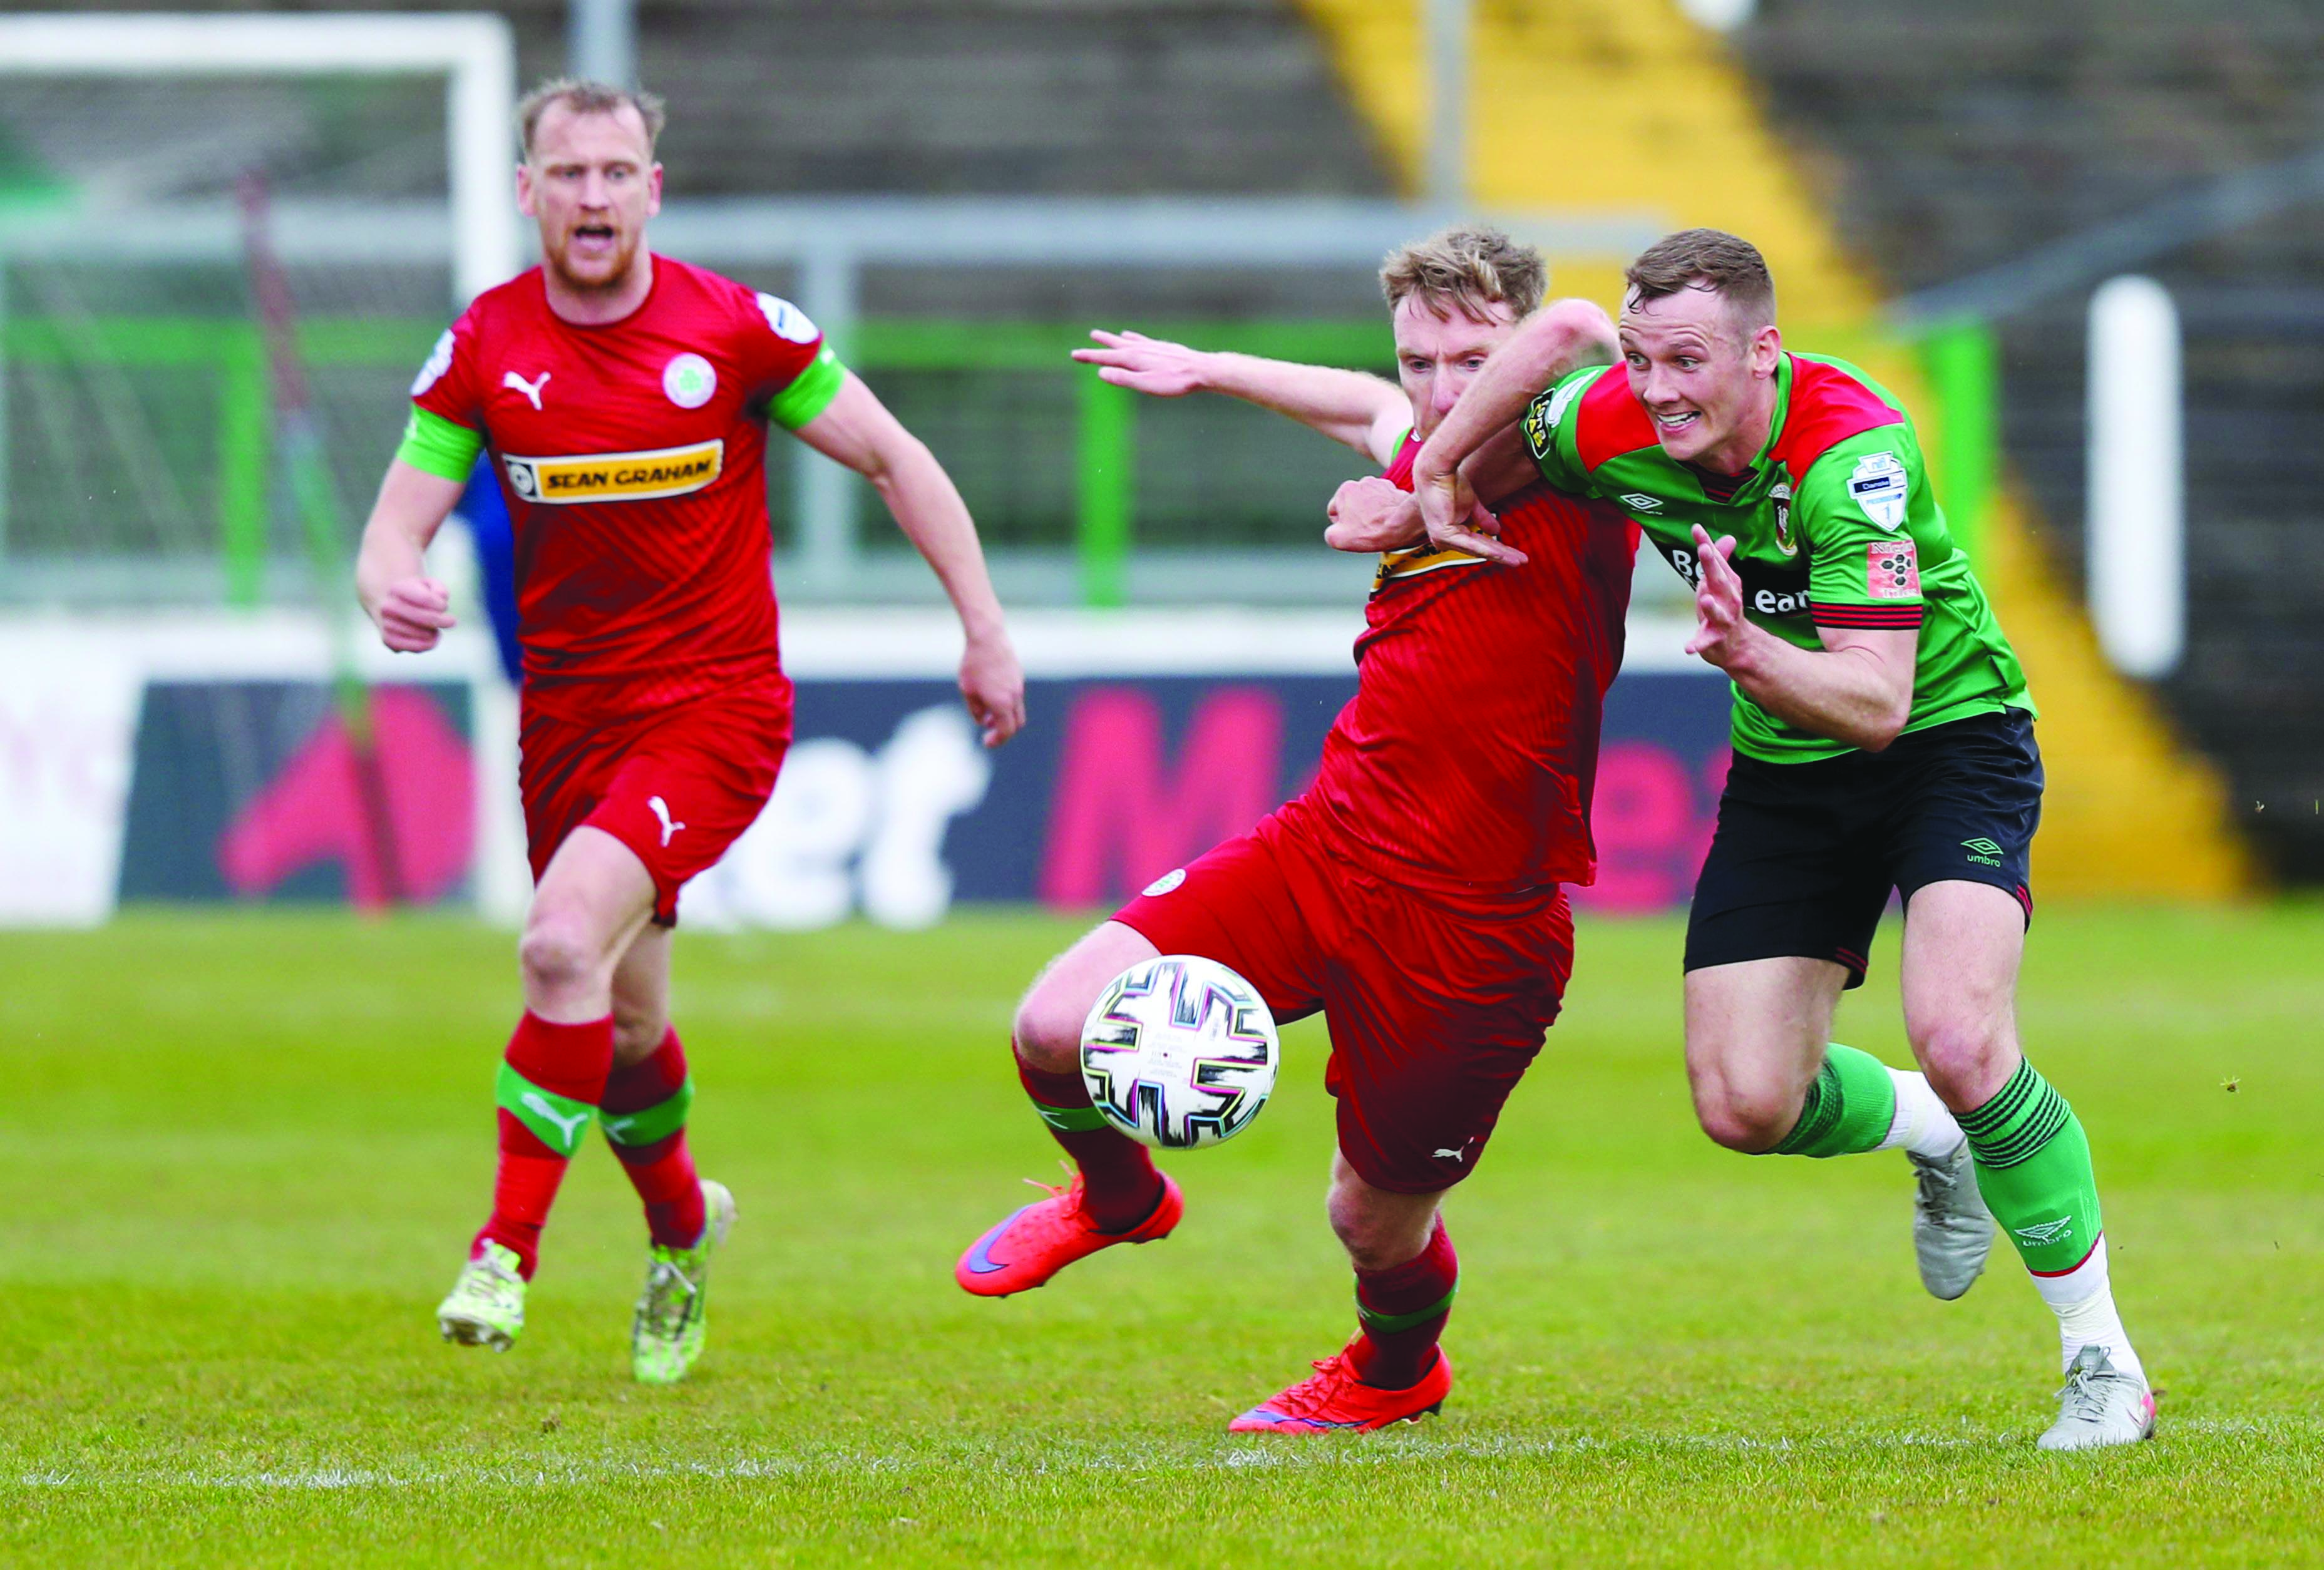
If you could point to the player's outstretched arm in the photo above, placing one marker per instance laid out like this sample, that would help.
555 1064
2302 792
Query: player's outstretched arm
1548 345
1857 689
855 429
1352 408
410 608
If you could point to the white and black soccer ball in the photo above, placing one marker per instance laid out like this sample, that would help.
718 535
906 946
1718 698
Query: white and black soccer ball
1179 1052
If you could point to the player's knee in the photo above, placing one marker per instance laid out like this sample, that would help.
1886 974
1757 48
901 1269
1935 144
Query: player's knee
1377 1235
557 954
1741 1118
1048 1026
1963 1059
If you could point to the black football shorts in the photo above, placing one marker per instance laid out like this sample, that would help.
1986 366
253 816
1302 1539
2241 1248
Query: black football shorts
1805 854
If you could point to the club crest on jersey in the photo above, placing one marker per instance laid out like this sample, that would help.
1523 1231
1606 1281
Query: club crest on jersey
688 380
616 477
1780 494
1879 486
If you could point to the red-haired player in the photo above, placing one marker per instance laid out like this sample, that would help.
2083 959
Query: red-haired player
625 396
1413 894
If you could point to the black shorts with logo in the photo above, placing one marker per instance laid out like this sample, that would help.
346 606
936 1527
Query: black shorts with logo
1806 854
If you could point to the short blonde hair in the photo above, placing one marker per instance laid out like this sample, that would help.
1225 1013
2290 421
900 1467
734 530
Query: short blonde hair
586 97
1467 266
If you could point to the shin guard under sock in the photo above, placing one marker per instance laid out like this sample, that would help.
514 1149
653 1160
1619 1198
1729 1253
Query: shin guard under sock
1850 1104
644 1114
1119 1186
549 1085
1403 1310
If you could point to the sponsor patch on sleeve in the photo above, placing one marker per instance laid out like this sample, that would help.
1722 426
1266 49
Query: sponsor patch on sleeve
1542 416
788 321
440 360
1892 567
1878 486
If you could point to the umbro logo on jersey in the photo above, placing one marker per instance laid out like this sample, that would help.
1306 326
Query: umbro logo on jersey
2042 1234
1983 852
1638 503
616 477
532 390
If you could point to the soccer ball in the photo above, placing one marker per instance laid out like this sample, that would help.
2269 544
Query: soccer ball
1179 1052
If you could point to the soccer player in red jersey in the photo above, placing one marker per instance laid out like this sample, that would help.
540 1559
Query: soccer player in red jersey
1413 893
624 396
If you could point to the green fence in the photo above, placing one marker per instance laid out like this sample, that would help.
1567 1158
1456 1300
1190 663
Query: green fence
1104 450
1105 440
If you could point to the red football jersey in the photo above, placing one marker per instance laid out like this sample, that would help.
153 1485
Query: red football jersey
1464 764
633 458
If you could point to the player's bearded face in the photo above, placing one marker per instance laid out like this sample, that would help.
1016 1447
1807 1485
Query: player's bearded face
1706 379
1437 356
591 184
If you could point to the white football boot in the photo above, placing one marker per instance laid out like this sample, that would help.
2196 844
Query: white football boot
2099 1407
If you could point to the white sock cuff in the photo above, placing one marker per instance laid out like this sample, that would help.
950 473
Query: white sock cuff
1921 1123
2079 1285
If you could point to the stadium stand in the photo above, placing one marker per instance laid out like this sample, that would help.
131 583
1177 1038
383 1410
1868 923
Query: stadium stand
1953 138
1081 96
1582 101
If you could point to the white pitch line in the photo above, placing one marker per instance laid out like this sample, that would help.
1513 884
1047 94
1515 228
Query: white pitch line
1378 1451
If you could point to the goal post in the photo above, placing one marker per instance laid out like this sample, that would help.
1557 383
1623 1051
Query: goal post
475 51
123 359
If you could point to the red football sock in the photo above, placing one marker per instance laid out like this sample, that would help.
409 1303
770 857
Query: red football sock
662 1170
1119 1186
569 1062
1403 1310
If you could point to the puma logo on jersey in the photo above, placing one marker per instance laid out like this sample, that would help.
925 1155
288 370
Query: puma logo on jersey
532 390
662 810
569 1127
1453 1154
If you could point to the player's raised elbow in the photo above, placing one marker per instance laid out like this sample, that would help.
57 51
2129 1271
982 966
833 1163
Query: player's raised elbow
1576 332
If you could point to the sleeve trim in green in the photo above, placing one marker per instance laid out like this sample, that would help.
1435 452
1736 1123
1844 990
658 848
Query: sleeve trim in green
439 447
811 393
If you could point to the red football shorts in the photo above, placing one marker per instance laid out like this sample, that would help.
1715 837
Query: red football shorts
678 786
1435 1014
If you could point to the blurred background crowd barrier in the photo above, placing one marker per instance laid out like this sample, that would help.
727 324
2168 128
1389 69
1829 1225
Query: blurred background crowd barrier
2080 241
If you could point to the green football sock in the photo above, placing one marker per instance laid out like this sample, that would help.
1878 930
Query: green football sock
2033 1169
1850 1104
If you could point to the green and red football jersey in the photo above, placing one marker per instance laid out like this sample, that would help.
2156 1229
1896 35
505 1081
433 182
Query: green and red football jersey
1835 525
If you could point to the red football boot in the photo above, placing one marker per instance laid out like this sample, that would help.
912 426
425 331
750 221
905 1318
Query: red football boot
1046 1236
1335 1399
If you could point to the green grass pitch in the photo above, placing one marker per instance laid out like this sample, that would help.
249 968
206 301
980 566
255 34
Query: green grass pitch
240 1156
